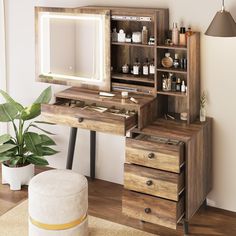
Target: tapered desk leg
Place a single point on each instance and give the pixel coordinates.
(92, 153)
(71, 148)
(186, 227)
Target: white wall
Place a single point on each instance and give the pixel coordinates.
(218, 77)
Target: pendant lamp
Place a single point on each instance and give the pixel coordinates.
(223, 24)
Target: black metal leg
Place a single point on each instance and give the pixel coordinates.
(92, 153)
(186, 227)
(71, 148)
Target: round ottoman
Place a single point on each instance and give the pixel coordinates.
(58, 204)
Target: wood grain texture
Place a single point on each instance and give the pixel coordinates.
(155, 155)
(92, 120)
(154, 182)
(151, 209)
(198, 160)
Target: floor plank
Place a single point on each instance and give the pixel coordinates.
(105, 202)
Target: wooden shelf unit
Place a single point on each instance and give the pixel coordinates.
(126, 53)
(176, 102)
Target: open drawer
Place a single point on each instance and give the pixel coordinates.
(154, 152)
(152, 209)
(90, 116)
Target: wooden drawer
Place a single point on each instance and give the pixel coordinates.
(86, 118)
(152, 209)
(156, 153)
(154, 182)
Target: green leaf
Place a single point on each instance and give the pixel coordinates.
(37, 160)
(4, 158)
(4, 138)
(45, 96)
(45, 131)
(8, 112)
(6, 147)
(10, 100)
(47, 151)
(46, 141)
(31, 142)
(31, 112)
(14, 161)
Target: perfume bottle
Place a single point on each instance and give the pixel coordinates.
(182, 37)
(175, 34)
(167, 61)
(144, 35)
(176, 61)
(114, 35)
(173, 84)
(146, 67)
(136, 67)
(189, 32)
(152, 68)
(178, 85)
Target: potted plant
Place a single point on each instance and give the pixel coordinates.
(20, 152)
(203, 101)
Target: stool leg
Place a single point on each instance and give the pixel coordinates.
(92, 153)
(186, 227)
(71, 148)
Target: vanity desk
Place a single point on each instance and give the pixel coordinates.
(168, 163)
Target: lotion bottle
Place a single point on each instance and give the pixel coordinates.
(175, 34)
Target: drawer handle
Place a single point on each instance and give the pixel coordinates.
(147, 210)
(151, 155)
(80, 119)
(149, 183)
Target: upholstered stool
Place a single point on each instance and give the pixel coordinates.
(58, 204)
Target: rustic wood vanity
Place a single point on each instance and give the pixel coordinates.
(168, 164)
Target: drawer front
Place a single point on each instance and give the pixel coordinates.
(156, 155)
(152, 209)
(85, 119)
(154, 182)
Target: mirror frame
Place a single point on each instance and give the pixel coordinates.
(105, 85)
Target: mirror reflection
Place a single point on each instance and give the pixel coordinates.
(71, 47)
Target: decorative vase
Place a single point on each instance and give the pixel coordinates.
(17, 176)
(202, 114)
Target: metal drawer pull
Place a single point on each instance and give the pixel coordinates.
(148, 210)
(151, 155)
(149, 183)
(80, 119)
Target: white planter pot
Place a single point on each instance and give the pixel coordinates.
(16, 177)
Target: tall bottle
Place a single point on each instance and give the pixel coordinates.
(136, 67)
(145, 35)
(152, 68)
(146, 67)
(182, 36)
(175, 34)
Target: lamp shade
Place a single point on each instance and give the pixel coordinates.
(223, 25)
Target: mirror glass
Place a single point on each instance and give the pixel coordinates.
(71, 46)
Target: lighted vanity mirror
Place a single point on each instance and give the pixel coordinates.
(72, 49)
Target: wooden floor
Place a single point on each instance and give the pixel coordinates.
(105, 202)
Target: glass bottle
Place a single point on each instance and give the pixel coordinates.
(136, 67)
(189, 32)
(152, 68)
(144, 35)
(173, 84)
(178, 85)
(183, 87)
(146, 67)
(114, 36)
(182, 37)
(175, 34)
(176, 61)
(167, 61)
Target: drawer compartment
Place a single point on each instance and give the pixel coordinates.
(90, 116)
(152, 209)
(154, 182)
(154, 152)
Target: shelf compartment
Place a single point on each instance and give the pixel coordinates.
(172, 70)
(172, 47)
(133, 45)
(130, 77)
(175, 94)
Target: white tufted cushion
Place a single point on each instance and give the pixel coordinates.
(58, 197)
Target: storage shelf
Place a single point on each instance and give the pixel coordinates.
(133, 45)
(172, 70)
(175, 94)
(172, 47)
(130, 77)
